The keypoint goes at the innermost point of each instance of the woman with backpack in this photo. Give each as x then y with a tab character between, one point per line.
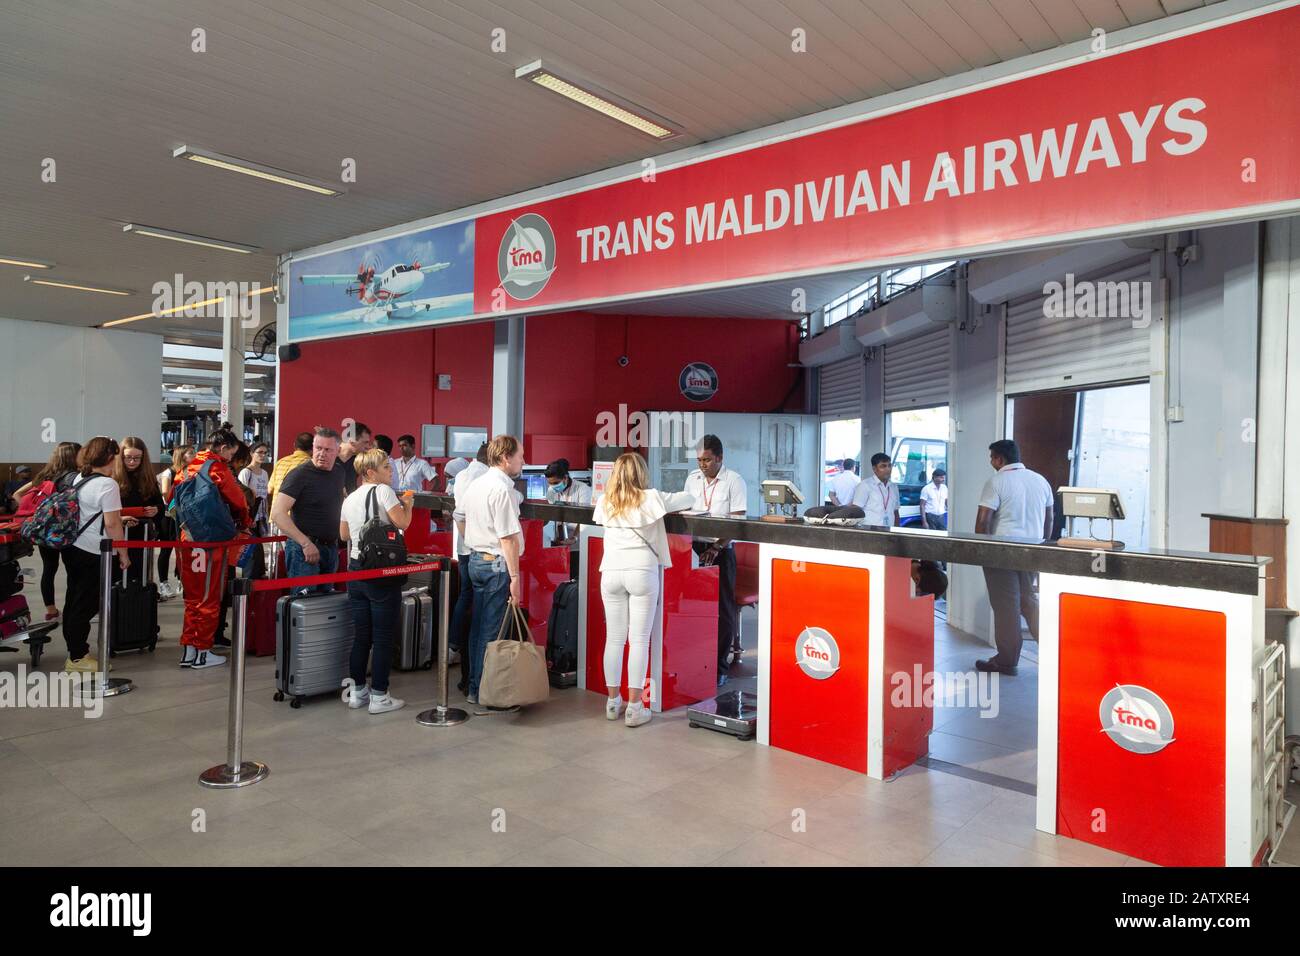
203	570
377	603
139	488
167	530
100	504
61	472
636	548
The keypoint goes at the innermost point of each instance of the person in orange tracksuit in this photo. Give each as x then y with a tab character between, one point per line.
203	571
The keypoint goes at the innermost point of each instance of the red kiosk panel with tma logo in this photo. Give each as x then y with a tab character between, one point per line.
1144	774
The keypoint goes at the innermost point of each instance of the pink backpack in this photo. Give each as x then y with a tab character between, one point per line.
29	502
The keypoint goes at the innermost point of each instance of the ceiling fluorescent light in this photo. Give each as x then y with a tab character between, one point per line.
139	230
271	173
28	263
78	286
594	98
180	308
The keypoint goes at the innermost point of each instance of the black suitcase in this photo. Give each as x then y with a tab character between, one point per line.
562	636
135	610
414	647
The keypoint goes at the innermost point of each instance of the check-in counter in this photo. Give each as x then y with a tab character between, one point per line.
1158	708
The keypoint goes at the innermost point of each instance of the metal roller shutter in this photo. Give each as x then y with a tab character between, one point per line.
840	393
917	371
1045	352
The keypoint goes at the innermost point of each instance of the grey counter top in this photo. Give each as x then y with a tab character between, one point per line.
1238	574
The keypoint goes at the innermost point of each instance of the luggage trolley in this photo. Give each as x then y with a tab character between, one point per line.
16	627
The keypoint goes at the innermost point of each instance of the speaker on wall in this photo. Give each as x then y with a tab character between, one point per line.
290	352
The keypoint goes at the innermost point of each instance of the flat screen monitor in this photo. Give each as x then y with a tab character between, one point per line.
536	487
463	440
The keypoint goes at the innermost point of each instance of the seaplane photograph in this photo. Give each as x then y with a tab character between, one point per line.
409	280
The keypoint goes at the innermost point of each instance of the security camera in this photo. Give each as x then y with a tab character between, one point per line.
623	361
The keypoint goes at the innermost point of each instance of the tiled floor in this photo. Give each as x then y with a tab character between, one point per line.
557	785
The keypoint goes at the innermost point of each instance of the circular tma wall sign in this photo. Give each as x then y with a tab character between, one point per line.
526	258
1137	719
816	653
698	382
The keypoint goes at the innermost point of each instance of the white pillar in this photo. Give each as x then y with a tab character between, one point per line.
232	366
508	377
1270	426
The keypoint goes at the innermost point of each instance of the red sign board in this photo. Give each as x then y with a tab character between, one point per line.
1191	129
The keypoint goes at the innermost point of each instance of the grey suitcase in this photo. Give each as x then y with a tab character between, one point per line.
313	644
413	649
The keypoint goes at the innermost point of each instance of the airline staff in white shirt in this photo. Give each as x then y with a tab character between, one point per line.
563	489
410	473
844	484
718	490
463	613
1015	503
876	495
934	502
495	540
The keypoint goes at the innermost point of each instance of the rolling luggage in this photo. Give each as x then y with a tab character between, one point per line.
260	636
313	644
562	636
135	610
413	649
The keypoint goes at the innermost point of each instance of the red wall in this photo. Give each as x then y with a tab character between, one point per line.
390	380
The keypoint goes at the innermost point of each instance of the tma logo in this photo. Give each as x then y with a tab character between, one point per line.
526	257
816	653
1137	719
698	382
75	908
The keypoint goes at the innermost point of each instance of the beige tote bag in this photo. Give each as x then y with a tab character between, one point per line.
514	667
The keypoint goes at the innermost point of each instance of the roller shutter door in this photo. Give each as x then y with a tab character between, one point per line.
918	371
840	392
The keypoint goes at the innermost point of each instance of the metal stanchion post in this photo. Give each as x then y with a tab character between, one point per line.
442	715
236	772
101	684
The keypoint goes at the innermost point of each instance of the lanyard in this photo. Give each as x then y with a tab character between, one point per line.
708	494
404	469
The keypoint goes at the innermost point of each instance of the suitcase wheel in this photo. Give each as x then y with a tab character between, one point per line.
279	696
296	703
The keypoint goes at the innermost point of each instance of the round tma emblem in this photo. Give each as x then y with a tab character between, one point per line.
1137	719
816	653
526	258
698	382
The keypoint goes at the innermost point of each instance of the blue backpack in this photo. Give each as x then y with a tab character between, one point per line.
199	508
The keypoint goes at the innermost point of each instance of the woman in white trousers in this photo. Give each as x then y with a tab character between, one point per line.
636	551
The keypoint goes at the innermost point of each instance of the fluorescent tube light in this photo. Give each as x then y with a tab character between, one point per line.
78	286
594	98
139	230
248	168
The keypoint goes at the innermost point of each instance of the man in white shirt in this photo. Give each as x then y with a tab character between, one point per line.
719	491
495	540
876	495
934	502
410	473
1015	503
463	614
842	486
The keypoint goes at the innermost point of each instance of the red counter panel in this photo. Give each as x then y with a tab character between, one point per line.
1165	806
825	719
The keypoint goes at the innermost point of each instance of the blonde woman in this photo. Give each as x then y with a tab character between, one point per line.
636	549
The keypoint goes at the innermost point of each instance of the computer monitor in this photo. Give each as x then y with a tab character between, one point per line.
536	487
464	440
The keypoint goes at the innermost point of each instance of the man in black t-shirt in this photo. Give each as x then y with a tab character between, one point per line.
307	509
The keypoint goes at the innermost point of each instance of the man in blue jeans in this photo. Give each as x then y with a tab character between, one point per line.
495	540
461	616
306	510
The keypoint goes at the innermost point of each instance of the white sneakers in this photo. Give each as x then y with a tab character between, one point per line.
188	653
203	659
383	703
637	714
613	707
168	590
357	697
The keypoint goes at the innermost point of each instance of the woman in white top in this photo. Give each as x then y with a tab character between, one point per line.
100	501
255	478
636	548
376	603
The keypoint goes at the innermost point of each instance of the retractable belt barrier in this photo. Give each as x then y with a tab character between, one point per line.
237	772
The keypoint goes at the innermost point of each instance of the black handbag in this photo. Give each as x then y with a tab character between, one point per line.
380	544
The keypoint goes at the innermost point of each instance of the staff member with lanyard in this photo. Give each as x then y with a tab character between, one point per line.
876	495
719	491
410	473
563	489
